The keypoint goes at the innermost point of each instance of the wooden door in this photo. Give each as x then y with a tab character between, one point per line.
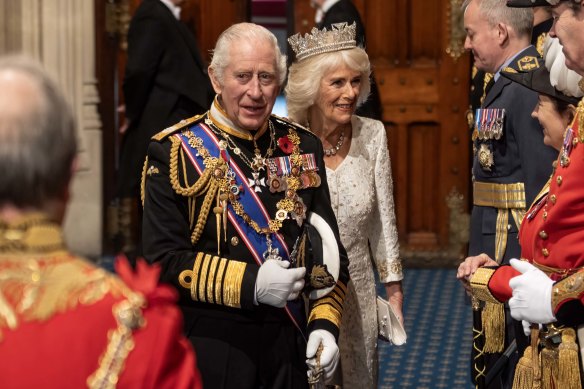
415	47
206	18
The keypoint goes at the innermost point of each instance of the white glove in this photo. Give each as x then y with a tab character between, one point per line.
527	327
532	294
276	284
329	358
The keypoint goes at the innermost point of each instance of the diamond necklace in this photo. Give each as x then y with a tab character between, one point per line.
333	150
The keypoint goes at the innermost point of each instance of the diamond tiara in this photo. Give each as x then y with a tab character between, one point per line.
341	36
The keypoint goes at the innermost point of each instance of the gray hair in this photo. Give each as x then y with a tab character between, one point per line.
37	138
496	11
244	31
305	77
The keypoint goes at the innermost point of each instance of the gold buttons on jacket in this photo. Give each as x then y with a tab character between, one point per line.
553	199
234	241
543	234
559	180
545	252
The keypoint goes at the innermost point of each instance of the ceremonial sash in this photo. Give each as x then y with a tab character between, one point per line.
256	243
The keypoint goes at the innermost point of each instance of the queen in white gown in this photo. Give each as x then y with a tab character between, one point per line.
323	92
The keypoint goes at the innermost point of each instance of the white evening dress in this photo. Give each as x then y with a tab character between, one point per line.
361	191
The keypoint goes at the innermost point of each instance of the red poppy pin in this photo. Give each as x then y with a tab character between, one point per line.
285	144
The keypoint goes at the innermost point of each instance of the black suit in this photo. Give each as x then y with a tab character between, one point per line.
165	82
345	11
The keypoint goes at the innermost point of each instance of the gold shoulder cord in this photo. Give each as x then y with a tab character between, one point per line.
143	181
204	185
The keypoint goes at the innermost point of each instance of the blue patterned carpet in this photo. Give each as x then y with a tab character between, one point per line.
438	321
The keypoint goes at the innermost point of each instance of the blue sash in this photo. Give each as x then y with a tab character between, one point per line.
256	243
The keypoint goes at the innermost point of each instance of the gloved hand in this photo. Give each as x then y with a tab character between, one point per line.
532	294
527	327
329	358
276	284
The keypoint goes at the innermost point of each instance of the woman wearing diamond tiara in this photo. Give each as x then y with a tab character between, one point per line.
327	81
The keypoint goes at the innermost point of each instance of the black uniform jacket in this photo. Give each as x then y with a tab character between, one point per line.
518	156
165	81
229	280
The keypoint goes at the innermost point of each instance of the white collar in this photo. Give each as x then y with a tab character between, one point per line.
175	9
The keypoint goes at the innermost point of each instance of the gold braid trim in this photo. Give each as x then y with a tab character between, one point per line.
204	212
128	314
569	288
493	313
232	283
203	278
143	181
479	284
211	281
326	312
198	187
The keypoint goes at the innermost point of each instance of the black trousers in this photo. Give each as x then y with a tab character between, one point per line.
243	355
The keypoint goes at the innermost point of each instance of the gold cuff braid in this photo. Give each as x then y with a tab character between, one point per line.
571	287
479	284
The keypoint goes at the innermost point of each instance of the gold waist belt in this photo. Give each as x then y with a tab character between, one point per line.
504	197
555	270
501	196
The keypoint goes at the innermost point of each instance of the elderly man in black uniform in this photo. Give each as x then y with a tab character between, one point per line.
226	197
511	163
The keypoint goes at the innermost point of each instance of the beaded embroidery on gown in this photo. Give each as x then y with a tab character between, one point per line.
361	191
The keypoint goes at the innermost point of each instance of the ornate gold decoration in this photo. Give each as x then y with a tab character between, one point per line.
128	314
485	157
341	36
456	28
569	288
35	287
479	284
320	277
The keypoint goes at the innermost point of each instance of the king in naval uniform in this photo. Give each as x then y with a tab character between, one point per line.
226	196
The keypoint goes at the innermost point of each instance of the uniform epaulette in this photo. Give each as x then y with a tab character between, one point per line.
176	127
528	63
290	123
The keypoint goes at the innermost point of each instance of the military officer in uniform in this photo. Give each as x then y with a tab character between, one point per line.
511	163
226	198
547	286
482	81
65	323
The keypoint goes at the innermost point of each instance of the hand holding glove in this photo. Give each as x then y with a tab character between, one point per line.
532	294
329	358
276	284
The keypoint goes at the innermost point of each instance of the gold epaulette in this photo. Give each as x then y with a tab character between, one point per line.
289	122
176	127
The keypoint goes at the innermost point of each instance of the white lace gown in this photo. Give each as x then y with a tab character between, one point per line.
361	191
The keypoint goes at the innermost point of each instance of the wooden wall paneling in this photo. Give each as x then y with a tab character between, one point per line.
216	16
